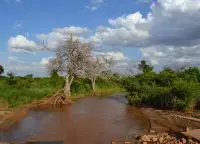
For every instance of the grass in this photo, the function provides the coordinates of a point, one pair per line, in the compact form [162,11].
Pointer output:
[18,91]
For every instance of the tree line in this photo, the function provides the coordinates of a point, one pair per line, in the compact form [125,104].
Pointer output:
[167,89]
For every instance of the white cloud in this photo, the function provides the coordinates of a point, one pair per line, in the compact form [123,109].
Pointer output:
[22,44]
[54,38]
[115,56]
[170,32]
[21,67]
[127,30]
[11,58]
[172,56]
[45,60]
[72,30]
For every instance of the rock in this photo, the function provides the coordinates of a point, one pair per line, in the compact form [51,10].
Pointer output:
[145,138]
[184,141]
[152,131]
[161,139]
[144,143]
[154,139]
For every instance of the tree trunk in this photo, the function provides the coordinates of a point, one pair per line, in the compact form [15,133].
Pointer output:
[67,88]
[94,86]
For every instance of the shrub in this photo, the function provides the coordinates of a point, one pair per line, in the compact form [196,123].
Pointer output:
[185,94]
[167,90]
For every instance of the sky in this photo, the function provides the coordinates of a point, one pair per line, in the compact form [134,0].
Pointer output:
[163,32]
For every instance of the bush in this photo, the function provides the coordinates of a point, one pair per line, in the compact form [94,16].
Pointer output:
[185,94]
[167,90]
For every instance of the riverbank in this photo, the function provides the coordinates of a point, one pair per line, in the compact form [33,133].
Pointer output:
[170,121]
[167,126]
[11,116]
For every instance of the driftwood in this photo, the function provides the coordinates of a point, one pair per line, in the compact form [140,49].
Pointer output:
[57,99]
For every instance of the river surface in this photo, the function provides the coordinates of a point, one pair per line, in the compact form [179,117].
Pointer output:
[92,120]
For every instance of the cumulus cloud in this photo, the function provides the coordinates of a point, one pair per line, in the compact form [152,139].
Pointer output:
[51,40]
[115,56]
[172,56]
[127,30]
[78,31]
[170,25]
[54,38]
[22,44]
[45,60]
[22,67]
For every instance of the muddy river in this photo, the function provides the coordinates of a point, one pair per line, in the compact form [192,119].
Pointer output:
[92,120]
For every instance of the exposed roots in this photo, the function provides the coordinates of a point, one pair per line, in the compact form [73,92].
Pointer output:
[57,99]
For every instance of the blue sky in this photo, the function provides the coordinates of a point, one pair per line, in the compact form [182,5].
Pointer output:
[136,28]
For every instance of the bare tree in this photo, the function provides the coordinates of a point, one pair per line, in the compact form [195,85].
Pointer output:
[52,66]
[71,58]
[95,67]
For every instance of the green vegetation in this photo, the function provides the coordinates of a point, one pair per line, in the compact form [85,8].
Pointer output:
[1,69]
[16,91]
[168,89]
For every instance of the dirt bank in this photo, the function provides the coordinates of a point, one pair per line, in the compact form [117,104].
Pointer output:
[168,121]
[9,118]
[167,126]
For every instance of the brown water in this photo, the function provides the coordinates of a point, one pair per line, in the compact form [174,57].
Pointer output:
[91,120]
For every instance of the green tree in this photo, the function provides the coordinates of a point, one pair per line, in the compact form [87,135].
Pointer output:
[191,74]
[144,67]
[166,77]
[1,69]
